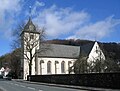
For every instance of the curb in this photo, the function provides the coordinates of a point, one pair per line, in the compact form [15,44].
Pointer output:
[69,86]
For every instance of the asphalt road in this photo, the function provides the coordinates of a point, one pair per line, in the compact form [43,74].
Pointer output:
[18,86]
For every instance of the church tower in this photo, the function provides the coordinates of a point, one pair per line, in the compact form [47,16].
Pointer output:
[29,45]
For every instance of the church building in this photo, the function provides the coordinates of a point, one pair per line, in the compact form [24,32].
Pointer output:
[50,59]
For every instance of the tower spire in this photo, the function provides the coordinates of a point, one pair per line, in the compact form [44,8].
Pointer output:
[30,10]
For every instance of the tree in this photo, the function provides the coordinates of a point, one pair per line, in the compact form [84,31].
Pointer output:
[1,61]
[4,60]
[11,61]
[15,62]
[112,65]
[80,65]
[16,39]
[32,39]
[98,66]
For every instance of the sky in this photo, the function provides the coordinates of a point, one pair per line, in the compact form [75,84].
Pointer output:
[62,19]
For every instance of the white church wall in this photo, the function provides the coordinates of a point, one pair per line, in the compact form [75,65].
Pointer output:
[58,65]
[25,69]
[96,53]
[26,61]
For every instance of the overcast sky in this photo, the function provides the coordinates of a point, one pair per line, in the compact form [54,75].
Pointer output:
[62,19]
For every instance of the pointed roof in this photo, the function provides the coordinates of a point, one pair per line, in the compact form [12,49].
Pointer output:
[86,49]
[30,26]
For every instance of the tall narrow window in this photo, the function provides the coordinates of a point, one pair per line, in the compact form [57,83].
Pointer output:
[96,49]
[49,67]
[41,62]
[62,67]
[56,62]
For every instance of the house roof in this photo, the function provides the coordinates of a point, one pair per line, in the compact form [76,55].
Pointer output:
[86,49]
[59,51]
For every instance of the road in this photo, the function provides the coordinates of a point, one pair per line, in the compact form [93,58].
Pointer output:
[19,86]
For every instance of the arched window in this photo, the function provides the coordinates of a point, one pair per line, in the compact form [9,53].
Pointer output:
[62,67]
[41,66]
[56,62]
[49,67]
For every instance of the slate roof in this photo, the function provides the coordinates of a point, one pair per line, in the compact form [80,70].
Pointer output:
[59,51]
[28,25]
[86,49]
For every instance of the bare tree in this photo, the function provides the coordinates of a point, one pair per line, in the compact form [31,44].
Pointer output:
[31,43]
[100,62]
[80,65]
[112,65]
[15,62]
[16,39]
[30,40]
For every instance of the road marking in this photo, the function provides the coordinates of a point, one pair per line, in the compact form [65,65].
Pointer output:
[31,88]
[24,86]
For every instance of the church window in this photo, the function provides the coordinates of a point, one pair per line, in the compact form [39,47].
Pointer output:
[96,49]
[62,67]
[56,62]
[49,67]
[41,66]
